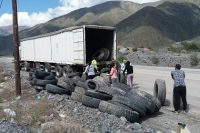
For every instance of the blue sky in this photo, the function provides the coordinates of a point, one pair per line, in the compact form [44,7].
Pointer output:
[32,12]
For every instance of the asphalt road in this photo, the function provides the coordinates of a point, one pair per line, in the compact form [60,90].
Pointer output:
[145,77]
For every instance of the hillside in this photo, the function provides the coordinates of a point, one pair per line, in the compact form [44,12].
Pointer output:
[7,30]
[108,13]
[5,45]
[160,26]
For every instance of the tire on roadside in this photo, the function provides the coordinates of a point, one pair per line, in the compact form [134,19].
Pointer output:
[41,74]
[98,95]
[90,101]
[111,91]
[91,84]
[56,90]
[160,90]
[76,96]
[118,111]
[43,83]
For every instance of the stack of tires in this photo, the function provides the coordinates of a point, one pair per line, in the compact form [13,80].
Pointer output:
[116,99]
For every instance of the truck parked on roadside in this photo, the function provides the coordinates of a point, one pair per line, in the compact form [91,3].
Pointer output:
[69,49]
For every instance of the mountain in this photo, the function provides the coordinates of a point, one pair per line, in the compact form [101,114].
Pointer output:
[6,45]
[108,13]
[7,30]
[160,26]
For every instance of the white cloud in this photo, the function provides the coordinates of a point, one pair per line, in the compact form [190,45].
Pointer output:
[24,18]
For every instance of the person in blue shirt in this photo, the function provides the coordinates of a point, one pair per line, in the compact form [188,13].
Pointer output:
[179,91]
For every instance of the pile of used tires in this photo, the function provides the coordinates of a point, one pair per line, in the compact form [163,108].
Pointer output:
[118,99]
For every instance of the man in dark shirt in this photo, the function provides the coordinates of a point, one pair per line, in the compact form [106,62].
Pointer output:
[129,70]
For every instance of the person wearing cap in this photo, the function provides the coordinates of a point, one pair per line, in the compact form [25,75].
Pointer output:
[179,90]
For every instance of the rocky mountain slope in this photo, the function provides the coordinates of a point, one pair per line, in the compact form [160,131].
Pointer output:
[7,30]
[158,26]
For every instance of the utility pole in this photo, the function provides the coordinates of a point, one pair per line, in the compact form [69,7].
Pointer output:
[16,49]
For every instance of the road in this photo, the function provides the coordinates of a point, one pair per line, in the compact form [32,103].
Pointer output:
[145,77]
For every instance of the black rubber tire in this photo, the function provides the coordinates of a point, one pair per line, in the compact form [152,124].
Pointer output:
[84,77]
[73,74]
[160,90]
[144,98]
[122,86]
[77,78]
[80,84]
[91,84]
[101,81]
[43,83]
[119,104]
[90,101]
[105,70]
[41,74]
[66,70]
[50,77]
[111,91]
[47,67]
[76,97]
[79,90]
[98,95]
[135,105]
[38,88]
[56,90]
[65,85]
[106,54]
[118,111]
[58,71]
[99,55]
[27,66]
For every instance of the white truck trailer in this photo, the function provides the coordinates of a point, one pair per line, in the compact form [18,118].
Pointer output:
[69,49]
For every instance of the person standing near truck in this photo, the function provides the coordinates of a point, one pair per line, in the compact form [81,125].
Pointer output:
[179,91]
[129,70]
[113,73]
[90,71]
[122,75]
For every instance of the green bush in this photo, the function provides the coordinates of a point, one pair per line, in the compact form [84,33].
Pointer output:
[121,58]
[186,47]
[154,60]
[194,60]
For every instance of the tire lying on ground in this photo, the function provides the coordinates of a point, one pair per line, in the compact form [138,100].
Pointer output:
[160,90]
[98,95]
[144,98]
[38,88]
[80,84]
[56,90]
[64,85]
[90,101]
[76,96]
[118,111]
[105,70]
[122,86]
[111,90]
[41,74]
[134,105]
[91,84]
[79,90]
[50,77]
[43,83]
[101,81]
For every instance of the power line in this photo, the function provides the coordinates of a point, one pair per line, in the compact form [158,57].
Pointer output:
[1,3]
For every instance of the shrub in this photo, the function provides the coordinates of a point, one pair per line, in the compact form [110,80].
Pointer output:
[194,61]
[154,60]
[121,58]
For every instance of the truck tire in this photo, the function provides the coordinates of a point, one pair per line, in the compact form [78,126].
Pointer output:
[144,98]
[41,74]
[26,66]
[43,83]
[105,70]
[98,95]
[56,90]
[80,84]
[47,67]
[91,84]
[76,96]
[66,70]
[64,85]
[73,74]
[160,90]
[90,101]
[118,111]
[98,55]
[58,71]
[111,91]
[50,77]
[135,105]
[101,81]
[106,53]
[122,86]
[79,90]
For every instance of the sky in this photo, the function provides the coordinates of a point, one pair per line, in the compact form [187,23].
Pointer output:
[32,12]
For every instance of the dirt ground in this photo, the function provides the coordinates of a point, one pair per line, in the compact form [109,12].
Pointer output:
[166,121]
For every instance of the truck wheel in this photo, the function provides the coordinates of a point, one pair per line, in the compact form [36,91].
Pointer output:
[118,111]
[67,70]
[26,66]
[47,67]
[58,71]
[160,90]
[90,101]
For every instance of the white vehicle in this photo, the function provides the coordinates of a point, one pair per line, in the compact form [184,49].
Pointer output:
[69,49]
